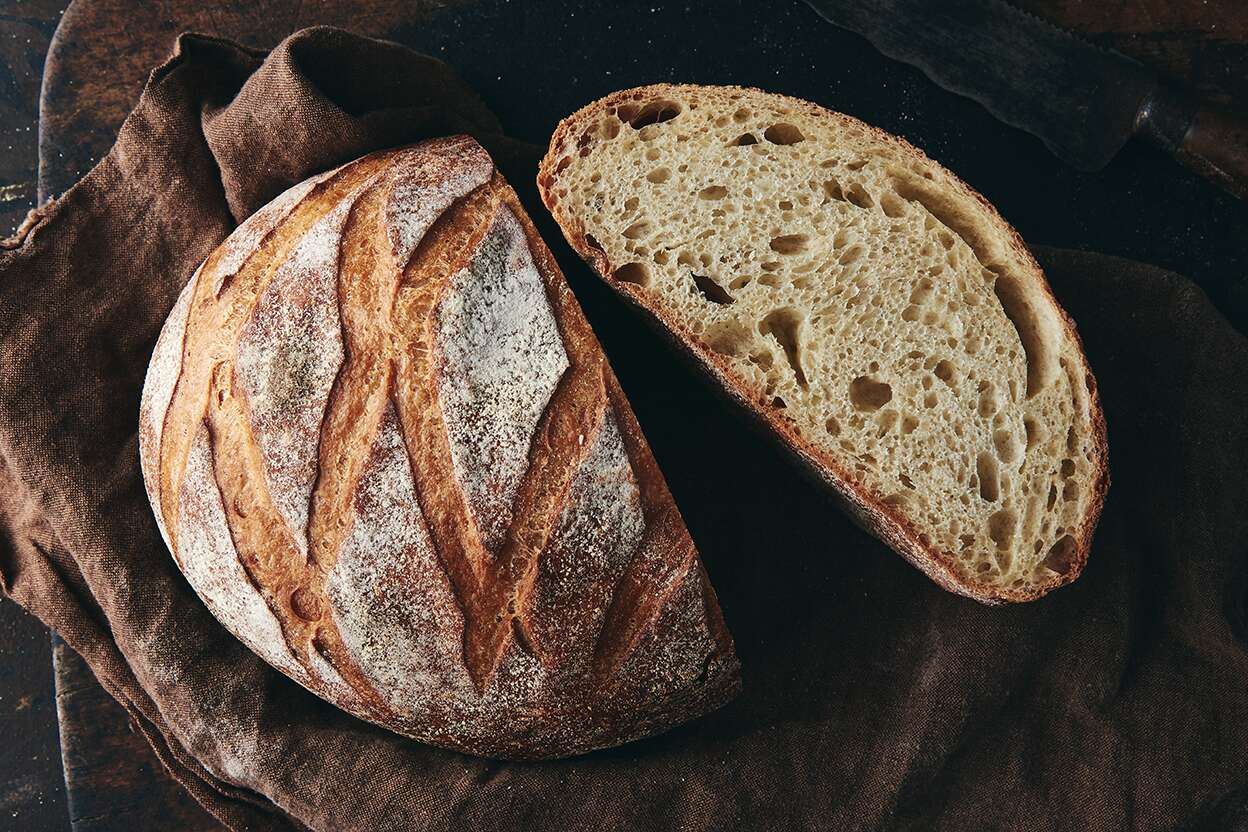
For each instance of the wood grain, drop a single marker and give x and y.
(115, 780)
(32, 793)
(25, 30)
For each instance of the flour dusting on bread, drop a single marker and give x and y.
(394, 374)
(502, 357)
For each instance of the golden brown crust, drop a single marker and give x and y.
(867, 509)
(337, 512)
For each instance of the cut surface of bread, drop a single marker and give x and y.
(870, 308)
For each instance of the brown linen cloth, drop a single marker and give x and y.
(872, 699)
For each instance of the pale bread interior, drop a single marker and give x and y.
(859, 291)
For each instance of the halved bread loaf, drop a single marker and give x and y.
(870, 308)
(385, 448)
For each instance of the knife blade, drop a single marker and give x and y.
(1082, 101)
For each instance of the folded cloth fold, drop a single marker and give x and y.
(873, 700)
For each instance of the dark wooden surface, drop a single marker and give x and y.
(114, 780)
(26, 27)
(32, 791)
(100, 58)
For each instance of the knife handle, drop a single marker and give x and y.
(1216, 147)
(1209, 140)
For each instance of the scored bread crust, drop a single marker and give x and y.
(864, 506)
(386, 450)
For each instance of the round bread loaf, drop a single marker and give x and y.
(388, 453)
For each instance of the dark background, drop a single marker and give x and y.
(533, 63)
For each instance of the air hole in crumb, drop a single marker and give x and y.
(922, 291)
(563, 164)
(1068, 468)
(898, 499)
(1033, 431)
(637, 230)
(713, 192)
(741, 116)
(986, 470)
(1006, 445)
(744, 140)
(833, 189)
(637, 273)
(910, 313)
(886, 421)
(930, 400)
(609, 128)
(740, 282)
(711, 290)
(785, 325)
(653, 112)
(908, 424)
(892, 205)
(869, 394)
(782, 133)
(789, 243)
(776, 401)
(785, 205)
(944, 371)
(659, 175)
(649, 132)
(851, 254)
(857, 164)
(728, 337)
(832, 426)
(907, 482)
(1001, 527)
(1061, 557)
(988, 403)
(858, 195)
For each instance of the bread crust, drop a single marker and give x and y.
(867, 509)
(467, 543)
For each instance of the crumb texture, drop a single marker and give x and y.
(386, 450)
(865, 302)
